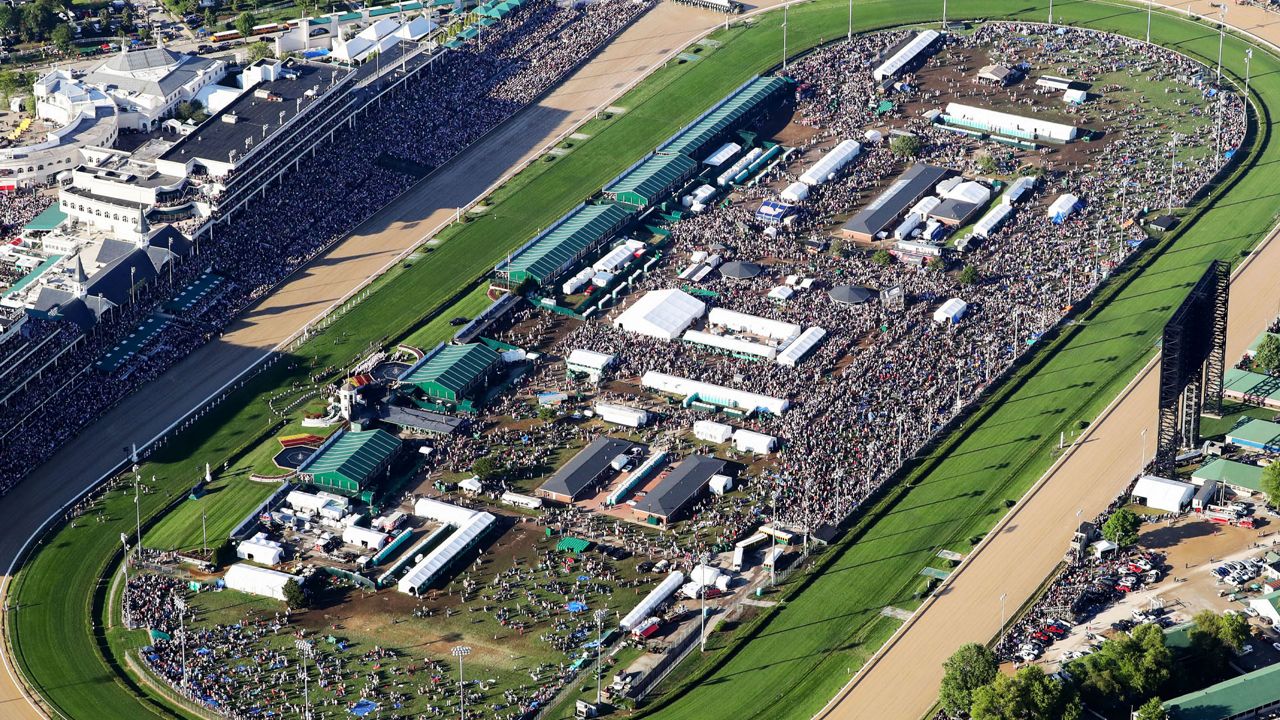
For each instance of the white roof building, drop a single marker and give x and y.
(590, 362)
(951, 311)
(712, 431)
(1062, 208)
(662, 314)
(257, 581)
(364, 537)
(1019, 126)
(715, 394)
(260, 550)
(147, 84)
(1163, 494)
(752, 441)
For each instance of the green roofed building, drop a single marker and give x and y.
(577, 546)
(349, 461)
(649, 182)
(1240, 477)
(1246, 696)
(453, 372)
(565, 243)
(1252, 388)
(735, 112)
(1256, 435)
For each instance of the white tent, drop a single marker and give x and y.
(442, 512)
(801, 346)
(751, 441)
(722, 154)
(951, 311)
(472, 485)
(717, 394)
(970, 192)
(651, 601)
(415, 29)
(662, 314)
(364, 537)
(795, 192)
(590, 362)
(754, 324)
(1075, 97)
(425, 571)
(260, 550)
(730, 344)
(256, 580)
(1102, 547)
(1009, 124)
(1163, 494)
(890, 68)
(1063, 207)
(831, 163)
(712, 431)
(705, 575)
(992, 220)
(926, 205)
(1017, 189)
(720, 484)
(622, 415)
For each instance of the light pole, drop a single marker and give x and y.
(600, 616)
(1248, 56)
(137, 507)
(1143, 466)
(1222, 31)
(784, 37)
(1002, 615)
(849, 36)
(305, 651)
(944, 14)
(1149, 4)
(1050, 12)
(461, 651)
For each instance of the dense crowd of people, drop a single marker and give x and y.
(465, 94)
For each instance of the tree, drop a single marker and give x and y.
(1027, 695)
(1152, 709)
(1125, 669)
(63, 39)
(260, 50)
(969, 668)
(881, 257)
(29, 104)
(244, 23)
(907, 146)
(485, 468)
(295, 596)
(1271, 482)
(210, 19)
(987, 165)
(1267, 357)
(1215, 638)
(1122, 527)
(968, 275)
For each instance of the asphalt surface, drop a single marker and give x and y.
(901, 682)
(413, 217)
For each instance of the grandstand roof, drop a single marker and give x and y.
(348, 462)
(574, 235)
(1251, 384)
(1255, 433)
(645, 184)
(724, 117)
(452, 371)
(681, 486)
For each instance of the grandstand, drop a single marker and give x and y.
(551, 253)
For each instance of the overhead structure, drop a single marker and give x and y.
(851, 295)
(661, 314)
(731, 344)
(1163, 494)
(651, 602)
(992, 220)
(718, 395)
(739, 270)
(800, 348)
(736, 111)
(621, 415)
(782, 332)
(428, 570)
(906, 55)
(665, 502)
(910, 187)
(1062, 208)
(261, 550)
(712, 431)
(951, 311)
(590, 363)
(587, 469)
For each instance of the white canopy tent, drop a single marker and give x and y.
(717, 394)
(651, 601)
(260, 550)
(1163, 494)
(662, 314)
(257, 581)
(712, 431)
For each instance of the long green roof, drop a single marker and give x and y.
(1263, 432)
(1251, 383)
(585, 227)
(454, 367)
(724, 117)
(1231, 472)
(654, 176)
(354, 455)
(1228, 698)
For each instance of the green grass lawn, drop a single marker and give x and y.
(800, 656)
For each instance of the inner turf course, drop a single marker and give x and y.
(815, 646)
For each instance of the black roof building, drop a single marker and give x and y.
(912, 185)
(584, 470)
(681, 487)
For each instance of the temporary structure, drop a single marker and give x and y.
(739, 270)
(712, 431)
(257, 581)
(651, 601)
(851, 295)
(622, 415)
(751, 441)
(831, 163)
(1163, 494)
(951, 311)
(662, 314)
(801, 346)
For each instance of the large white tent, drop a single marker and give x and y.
(651, 601)
(716, 394)
(425, 571)
(260, 550)
(1163, 494)
(257, 581)
(1024, 126)
(662, 314)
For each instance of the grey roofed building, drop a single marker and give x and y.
(584, 470)
(416, 419)
(680, 487)
(912, 185)
(115, 280)
(954, 212)
(155, 71)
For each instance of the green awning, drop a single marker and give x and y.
(30, 277)
(47, 220)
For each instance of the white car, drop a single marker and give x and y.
(1245, 650)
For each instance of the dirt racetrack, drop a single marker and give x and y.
(418, 214)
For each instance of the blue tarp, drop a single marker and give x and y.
(576, 606)
(364, 707)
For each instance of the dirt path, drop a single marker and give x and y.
(418, 214)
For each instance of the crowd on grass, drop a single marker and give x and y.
(466, 93)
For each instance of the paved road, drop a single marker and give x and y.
(902, 682)
(416, 215)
